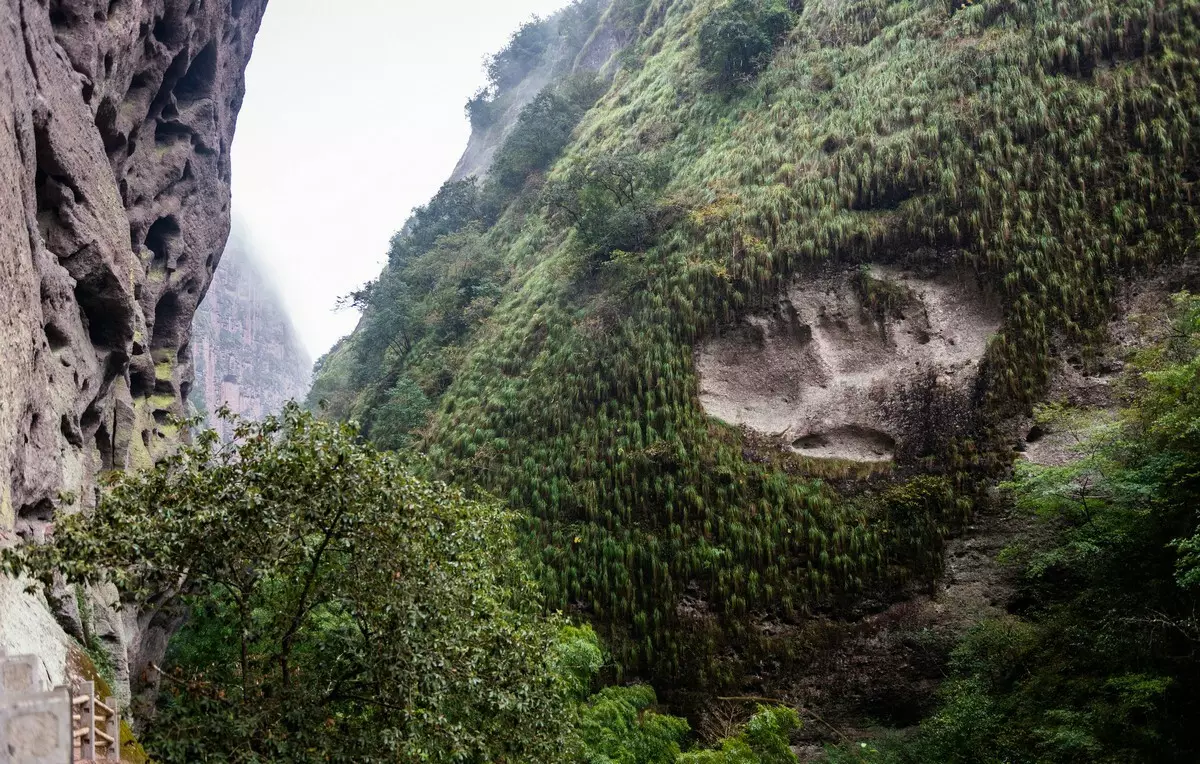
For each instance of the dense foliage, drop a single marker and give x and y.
(338, 609)
(611, 201)
(1046, 146)
(1101, 665)
(543, 130)
(738, 38)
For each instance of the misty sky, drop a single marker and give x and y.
(353, 116)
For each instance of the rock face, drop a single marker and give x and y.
(114, 203)
(854, 364)
(595, 55)
(246, 353)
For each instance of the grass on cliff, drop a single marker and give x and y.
(1048, 146)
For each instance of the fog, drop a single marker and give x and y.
(353, 115)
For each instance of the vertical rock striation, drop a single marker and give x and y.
(114, 208)
(247, 356)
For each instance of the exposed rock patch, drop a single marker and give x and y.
(114, 197)
(853, 365)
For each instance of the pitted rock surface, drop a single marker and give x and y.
(114, 202)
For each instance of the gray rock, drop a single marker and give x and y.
(114, 209)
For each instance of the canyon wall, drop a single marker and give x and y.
(247, 356)
(114, 199)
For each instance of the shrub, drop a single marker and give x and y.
(764, 740)
(524, 50)
(738, 38)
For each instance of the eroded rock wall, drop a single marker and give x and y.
(118, 117)
(856, 364)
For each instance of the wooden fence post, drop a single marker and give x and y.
(88, 719)
(114, 729)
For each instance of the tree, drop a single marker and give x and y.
(611, 200)
(405, 411)
(339, 609)
(543, 129)
(738, 38)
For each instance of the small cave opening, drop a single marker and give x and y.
(56, 338)
(71, 432)
(185, 390)
(1035, 434)
(162, 417)
(108, 63)
(201, 76)
(811, 441)
(849, 442)
(59, 17)
(146, 438)
(167, 133)
(32, 519)
(105, 447)
(107, 318)
(106, 124)
(161, 239)
(164, 31)
(168, 322)
(141, 383)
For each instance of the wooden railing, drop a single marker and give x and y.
(96, 726)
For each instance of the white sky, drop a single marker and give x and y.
(353, 116)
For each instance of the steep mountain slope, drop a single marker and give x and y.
(247, 356)
(975, 176)
(115, 200)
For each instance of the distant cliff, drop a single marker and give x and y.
(245, 348)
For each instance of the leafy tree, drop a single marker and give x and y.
(611, 200)
(340, 608)
(738, 38)
(406, 410)
(524, 50)
(543, 129)
(618, 726)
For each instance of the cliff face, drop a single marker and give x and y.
(869, 255)
(114, 197)
(246, 353)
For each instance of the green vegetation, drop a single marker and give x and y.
(543, 130)
(738, 38)
(1100, 666)
(611, 201)
(338, 609)
(1048, 146)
